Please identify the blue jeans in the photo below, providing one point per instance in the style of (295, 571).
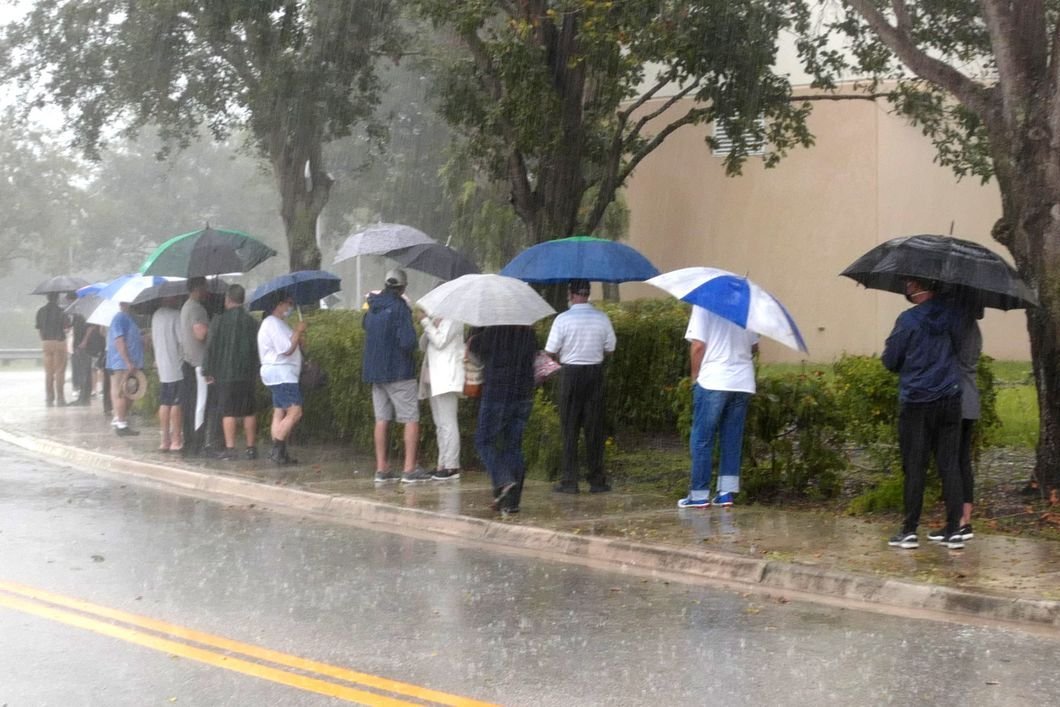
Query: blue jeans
(499, 439)
(716, 415)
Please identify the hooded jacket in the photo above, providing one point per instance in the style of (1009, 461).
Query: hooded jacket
(922, 351)
(389, 339)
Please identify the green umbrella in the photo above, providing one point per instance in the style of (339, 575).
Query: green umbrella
(208, 251)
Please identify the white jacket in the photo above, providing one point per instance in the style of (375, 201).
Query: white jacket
(443, 366)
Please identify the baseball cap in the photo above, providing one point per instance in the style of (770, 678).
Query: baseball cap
(396, 278)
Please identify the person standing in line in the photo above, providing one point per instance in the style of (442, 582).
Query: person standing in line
(52, 325)
(580, 339)
(231, 366)
(389, 366)
(165, 338)
(507, 355)
(194, 393)
(969, 344)
(80, 358)
(921, 349)
(280, 351)
(125, 356)
(442, 383)
(722, 368)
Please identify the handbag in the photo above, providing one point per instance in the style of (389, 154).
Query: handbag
(312, 376)
(472, 375)
(544, 367)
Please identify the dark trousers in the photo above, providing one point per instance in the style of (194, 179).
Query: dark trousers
(925, 430)
(499, 441)
(581, 408)
(209, 435)
(965, 458)
(81, 373)
(108, 407)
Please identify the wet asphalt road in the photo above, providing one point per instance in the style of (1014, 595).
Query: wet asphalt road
(461, 620)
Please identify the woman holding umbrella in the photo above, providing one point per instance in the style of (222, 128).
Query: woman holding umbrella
(280, 350)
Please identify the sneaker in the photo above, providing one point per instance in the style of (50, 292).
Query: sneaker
(251, 453)
(446, 474)
(600, 488)
(227, 454)
(565, 488)
(386, 477)
(966, 532)
(954, 541)
(694, 503)
(904, 540)
(125, 432)
(500, 502)
(415, 476)
(510, 511)
(724, 499)
(937, 536)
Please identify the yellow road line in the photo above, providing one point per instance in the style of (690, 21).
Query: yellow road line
(249, 650)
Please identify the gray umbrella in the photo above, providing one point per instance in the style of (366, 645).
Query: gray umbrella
(381, 239)
(434, 259)
(59, 283)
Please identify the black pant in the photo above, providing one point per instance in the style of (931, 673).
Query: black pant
(926, 429)
(209, 434)
(581, 407)
(81, 374)
(965, 457)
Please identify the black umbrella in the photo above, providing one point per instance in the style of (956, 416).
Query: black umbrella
(434, 259)
(208, 251)
(965, 268)
(59, 283)
(149, 300)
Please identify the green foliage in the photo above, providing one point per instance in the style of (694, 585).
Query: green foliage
(543, 439)
(867, 396)
(885, 496)
(794, 439)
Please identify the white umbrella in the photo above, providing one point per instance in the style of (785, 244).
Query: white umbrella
(381, 239)
(734, 298)
(122, 289)
(486, 300)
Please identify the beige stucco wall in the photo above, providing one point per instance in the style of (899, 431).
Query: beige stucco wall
(793, 228)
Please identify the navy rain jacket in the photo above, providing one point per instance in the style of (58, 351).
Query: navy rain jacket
(922, 351)
(389, 339)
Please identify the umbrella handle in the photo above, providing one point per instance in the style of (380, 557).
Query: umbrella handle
(298, 308)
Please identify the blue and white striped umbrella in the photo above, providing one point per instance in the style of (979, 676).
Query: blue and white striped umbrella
(734, 298)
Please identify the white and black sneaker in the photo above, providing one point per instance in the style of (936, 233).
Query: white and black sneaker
(954, 541)
(904, 540)
(966, 532)
(937, 536)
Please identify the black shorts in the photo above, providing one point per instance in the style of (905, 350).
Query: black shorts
(237, 398)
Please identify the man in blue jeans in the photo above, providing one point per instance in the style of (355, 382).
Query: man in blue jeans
(723, 370)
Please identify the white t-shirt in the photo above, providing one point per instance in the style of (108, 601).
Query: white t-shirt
(727, 362)
(274, 339)
(165, 337)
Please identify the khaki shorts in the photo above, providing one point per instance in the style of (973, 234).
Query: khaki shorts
(397, 401)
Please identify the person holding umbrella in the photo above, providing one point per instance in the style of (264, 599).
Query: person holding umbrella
(580, 339)
(52, 325)
(280, 351)
(389, 346)
(921, 349)
(125, 356)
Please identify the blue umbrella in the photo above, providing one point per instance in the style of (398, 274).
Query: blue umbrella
(305, 286)
(580, 258)
(734, 298)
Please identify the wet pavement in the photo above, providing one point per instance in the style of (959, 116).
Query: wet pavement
(996, 565)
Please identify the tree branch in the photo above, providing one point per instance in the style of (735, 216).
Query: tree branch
(634, 133)
(968, 92)
(688, 118)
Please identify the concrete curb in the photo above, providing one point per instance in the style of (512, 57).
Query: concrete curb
(772, 577)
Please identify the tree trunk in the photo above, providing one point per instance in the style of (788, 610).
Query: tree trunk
(304, 185)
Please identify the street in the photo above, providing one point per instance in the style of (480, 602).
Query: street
(116, 594)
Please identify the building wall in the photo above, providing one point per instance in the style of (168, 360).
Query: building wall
(793, 228)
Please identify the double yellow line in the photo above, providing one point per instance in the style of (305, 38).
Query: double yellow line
(180, 641)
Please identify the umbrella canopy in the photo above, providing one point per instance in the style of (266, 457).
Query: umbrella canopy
(968, 268)
(208, 251)
(128, 287)
(434, 259)
(486, 300)
(381, 239)
(306, 286)
(178, 287)
(734, 298)
(581, 258)
(59, 283)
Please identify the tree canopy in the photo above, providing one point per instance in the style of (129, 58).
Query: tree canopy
(292, 74)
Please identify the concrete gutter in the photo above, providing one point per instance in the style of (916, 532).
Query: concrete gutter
(781, 580)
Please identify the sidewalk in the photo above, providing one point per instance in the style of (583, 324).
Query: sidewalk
(787, 554)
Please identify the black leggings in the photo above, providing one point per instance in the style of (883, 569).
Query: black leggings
(965, 460)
